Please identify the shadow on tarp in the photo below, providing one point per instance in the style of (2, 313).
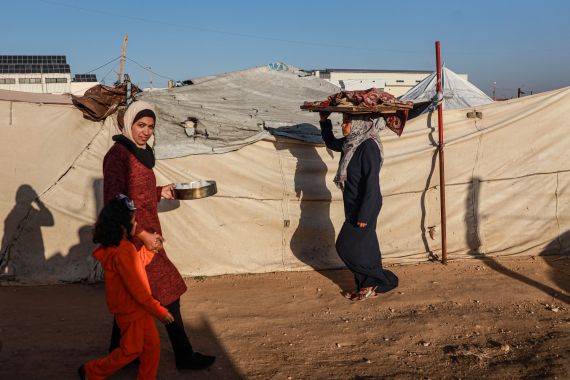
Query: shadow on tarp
(313, 241)
(552, 253)
(25, 221)
(423, 227)
(23, 251)
(560, 273)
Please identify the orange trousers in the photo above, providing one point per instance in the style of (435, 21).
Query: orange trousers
(139, 339)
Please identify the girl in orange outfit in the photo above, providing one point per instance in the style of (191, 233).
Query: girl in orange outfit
(128, 295)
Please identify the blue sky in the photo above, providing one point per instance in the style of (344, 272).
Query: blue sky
(514, 43)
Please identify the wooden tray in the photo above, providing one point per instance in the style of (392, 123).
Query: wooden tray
(383, 108)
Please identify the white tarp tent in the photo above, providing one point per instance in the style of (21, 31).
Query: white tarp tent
(457, 92)
(508, 193)
(234, 109)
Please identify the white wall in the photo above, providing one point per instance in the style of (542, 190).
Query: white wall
(396, 83)
(43, 87)
(79, 88)
(75, 88)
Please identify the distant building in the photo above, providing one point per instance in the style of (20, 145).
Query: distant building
(396, 82)
(42, 74)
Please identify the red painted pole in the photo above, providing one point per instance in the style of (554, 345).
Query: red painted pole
(441, 157)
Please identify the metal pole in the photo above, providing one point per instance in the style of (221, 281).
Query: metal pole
(441, 158)
(129, 94)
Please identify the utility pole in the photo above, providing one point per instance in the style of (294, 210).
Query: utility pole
(123, 54)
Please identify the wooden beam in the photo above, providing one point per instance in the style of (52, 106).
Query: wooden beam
(123, 54)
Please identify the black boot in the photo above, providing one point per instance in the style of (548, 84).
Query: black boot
(195, 361)
(81, 372)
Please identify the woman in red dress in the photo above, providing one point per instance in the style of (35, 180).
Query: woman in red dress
(127, 169)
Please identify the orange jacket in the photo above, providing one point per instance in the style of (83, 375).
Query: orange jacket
(126, 284)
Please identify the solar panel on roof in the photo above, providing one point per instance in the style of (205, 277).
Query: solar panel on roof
(14, 64)
(85, 78)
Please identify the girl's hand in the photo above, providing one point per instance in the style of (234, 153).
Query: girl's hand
(167, 319)
(361, 224)
(167, 191)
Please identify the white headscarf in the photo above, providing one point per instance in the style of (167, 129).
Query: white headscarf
(129, 118)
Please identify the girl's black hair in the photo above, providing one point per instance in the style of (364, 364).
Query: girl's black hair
(114, 220)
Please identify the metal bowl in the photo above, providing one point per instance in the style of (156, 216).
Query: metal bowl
(195, 189)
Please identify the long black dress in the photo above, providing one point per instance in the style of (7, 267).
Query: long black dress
(358, 247)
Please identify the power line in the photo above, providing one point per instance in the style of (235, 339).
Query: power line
(111, 61)
(108, 72)
(148, 69)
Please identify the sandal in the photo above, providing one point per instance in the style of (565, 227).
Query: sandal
(366, 293)
(351, 295)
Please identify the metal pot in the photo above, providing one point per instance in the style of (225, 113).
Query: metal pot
(195, 189)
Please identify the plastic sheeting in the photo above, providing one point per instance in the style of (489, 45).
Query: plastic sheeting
(457, 92)
(100, 101)
(508, 193)
(233, 110)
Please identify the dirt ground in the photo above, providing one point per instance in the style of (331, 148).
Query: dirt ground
(474, 319)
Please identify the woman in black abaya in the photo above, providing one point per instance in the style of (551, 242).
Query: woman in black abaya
(358, 177)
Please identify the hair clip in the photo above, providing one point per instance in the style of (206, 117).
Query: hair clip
(128, 201)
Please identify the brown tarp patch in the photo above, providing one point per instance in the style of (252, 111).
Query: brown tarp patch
(101, 101)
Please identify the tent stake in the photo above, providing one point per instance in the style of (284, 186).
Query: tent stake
(441, 157)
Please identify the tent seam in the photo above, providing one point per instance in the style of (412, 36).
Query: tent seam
(283, 199)
(475, 193)
(558, 238)
(72, 166)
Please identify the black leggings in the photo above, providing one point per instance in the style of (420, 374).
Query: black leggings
(178, 338)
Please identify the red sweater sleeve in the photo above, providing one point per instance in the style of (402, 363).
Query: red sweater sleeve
(132, 272)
